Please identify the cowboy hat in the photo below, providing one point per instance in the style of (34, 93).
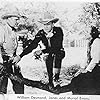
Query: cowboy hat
(47, 18)
(6, 16)
(46, 21)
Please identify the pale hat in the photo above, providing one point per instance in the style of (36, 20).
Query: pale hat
(6, 16)
(47, 18)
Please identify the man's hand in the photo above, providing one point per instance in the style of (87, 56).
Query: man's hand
(11, 58)
(45, 57)
(16, 59)
(37, 53)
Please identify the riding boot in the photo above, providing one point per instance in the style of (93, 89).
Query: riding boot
(56, 76)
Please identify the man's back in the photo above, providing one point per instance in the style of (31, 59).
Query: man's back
(8, 40)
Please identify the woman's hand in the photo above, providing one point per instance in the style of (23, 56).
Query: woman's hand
(79, 71)
(84, 71)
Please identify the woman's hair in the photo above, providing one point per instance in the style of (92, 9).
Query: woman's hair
(94, 32)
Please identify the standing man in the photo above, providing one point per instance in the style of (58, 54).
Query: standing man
(8, 46)
(52, 38)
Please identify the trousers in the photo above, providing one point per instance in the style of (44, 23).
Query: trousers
(54, 61)
(17, 87)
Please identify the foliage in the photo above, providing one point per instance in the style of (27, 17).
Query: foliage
(84, 17)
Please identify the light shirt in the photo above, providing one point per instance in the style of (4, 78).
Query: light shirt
(95, 54)
(48, 36)
(8, 40)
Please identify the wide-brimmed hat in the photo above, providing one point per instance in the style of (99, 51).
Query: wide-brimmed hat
(47, 18)
(6, 16)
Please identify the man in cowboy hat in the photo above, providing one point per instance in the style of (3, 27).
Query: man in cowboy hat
(52, 38)
(8, 46)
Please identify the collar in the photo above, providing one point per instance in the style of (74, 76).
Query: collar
(49, 34)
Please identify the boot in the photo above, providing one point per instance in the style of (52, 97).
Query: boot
(52, 89)
(56, 76)
(50, 86)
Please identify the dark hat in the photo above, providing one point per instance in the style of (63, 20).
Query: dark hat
(6, 16)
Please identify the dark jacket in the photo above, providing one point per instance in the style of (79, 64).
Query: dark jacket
(56, 42)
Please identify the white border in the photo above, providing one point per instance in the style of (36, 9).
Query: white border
(53, 0)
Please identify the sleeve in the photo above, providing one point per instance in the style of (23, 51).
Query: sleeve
(1, 35)
(95, 54)
(32, 46)
(24, 31)
(1, 41)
